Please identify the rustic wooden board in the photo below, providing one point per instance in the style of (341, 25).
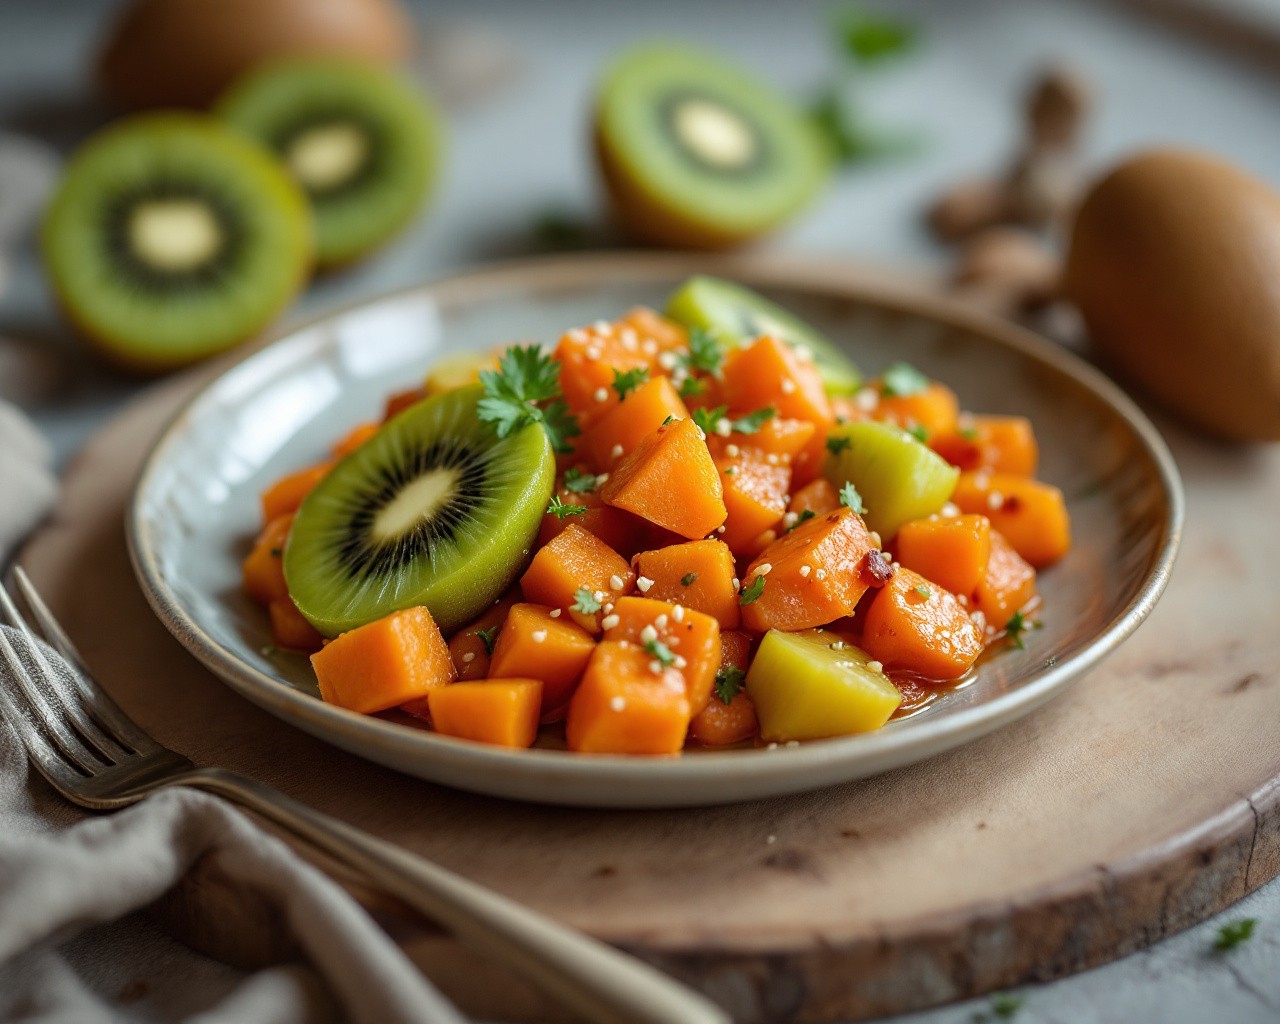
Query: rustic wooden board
(1145, 799)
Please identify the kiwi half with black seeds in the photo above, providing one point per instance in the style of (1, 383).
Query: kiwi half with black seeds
(172, 238)
(435, 509)
(360, 140)
(697, 153)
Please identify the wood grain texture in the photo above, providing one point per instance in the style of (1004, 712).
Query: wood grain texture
(1143, 800)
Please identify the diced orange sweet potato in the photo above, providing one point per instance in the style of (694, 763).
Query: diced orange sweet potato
(468, 649)
(735, 648)
(499, 711)
(818, 497)
(386, 663)
(720, 724)
(806, 465)
(538, 642)
(623, 427)
(290, 630)
(812, 576)
(287, 493)
(777, 436)
(692, 638)
(917, 625)
(670, 480)
(576, 560)
(1003, 444)
(771, 373)
(264, 567)
(1007, 586)
(650, 326)
(697, 574)
(936, 409)
(622, 531)
(589, 357)
(755, 495)
(952, 551)
(400, 401)
(1031, 515)
(623, 707)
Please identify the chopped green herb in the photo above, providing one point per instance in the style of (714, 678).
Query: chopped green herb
(849, 139)
(869, 38)
(488, 637)
(729, 681)
(803, 517)
(705, 353)
(706, 419)
(626, 381)
(918, 432)
(560, 510)
(752, 422)
(526, 389)
(922, 590)
(752, 592)
(688, 579)
(1014, 629)
(1005, 1005)
(1233, 933)
(691, 387)
(731, 471)
(585, 601)
(277, 552)
(850, 498)
(835, 445)
(578, 482)
(901, 380)
(669, 419)
(969, 433)
(660, 651)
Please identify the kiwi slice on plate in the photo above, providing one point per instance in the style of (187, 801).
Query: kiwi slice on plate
(696, 153)
(172, 238)
(734, 314)
(435, 509)
(357, 137)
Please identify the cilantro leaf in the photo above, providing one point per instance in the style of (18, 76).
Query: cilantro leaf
(578, 482)
(900, 380)
(706, 419)
(705, 353)
(585, 601)
(753, 421)
(869, 38)
(803, 517)
(488, 637)
(525, 389)
(850, 498)
(922, 590)
(1005, 1005)
(1014, 628)
(918, 432)
(560, 510)
(729, 681)
(835, 445)
(752, 592)
(560, 425)
(626, 381)
(849, 139)
(1233, 933)
(688, 579)
(660, 651)
(691, 387)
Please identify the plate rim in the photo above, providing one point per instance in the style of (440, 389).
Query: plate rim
(769, 769)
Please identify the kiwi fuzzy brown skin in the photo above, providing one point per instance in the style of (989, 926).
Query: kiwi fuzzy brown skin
(1174, 263)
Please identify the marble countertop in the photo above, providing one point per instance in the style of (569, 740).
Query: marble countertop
(959, 93)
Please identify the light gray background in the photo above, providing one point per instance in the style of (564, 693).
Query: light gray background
(523, 149)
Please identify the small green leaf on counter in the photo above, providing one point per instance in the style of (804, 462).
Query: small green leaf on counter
(1233, 933)
(869, 38)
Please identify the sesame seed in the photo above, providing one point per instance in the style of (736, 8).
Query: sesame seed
(602, 394)
(680, 662)
(995, 500)
(701, 433)
(667, 360)
(771, 839)
(763, 570)
(875, 666)
(608, 607)
(950, 510)
(643, 583)
(771, 458)
(768, 537)
(616, 451)
(821, 574)
(615, 582)
(648, 635)
(790, 519)
(875, 539)
(720, 528)
(602, 327)
(886, 556)
(618, 704)
(601, 478)
(628, 335)
(772, 746)
(804, 353)
(661, 621)
(468, 658)
(538, 636)
(599, 595)
(732, 450)
(788, 387)
(737, 583)
(805, 570)
(677, 613)
(649, 347)
(867, 399)
(555, 613)
(655, 667)
(610, 622)
(595, 352)
(578, 335)
(724, 428)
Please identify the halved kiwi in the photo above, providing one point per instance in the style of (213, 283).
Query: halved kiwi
(696, 153)
(734, 313)
(435, 509)
(172, 238)
(357, 137)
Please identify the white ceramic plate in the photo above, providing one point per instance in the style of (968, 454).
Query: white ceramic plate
(196, 509)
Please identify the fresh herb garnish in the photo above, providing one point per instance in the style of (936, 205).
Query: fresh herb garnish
(753, 421)
(688, 579)
(1233, 933)
(835, 445)
(526, 389)
(706, 419)
(277, 552)
(869, 38)
(560, 510)
(849, 139)
(660, 651)
(669, 419)
(922, 590)
(729, 680)
(705, 353)
(488, 637)
(1016, 626)
(969, 433)
(901, 380)
(752, 592)
(1005, 1005)
(585, 601)
(850, 498)
(803, 517)
(918, 432)
(626, 381)
(578, 482)
(691, 387)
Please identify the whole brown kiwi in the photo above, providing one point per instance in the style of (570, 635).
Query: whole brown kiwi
(186, 52)
(1174, 262)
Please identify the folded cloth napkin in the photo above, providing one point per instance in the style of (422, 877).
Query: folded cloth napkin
(73, 948)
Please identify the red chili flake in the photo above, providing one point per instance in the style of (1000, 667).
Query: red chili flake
(873, 570)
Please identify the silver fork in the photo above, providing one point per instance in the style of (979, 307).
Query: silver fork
(97, 757)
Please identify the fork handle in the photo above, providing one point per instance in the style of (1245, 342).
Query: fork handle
(589, 977)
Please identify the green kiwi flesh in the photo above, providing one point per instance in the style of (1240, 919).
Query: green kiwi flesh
(435, 509)
(358, 138)
(734, 314)
(172, 238)
(710, 153)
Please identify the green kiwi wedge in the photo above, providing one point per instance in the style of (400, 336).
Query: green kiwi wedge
(172, 238)
(735, 314)
(359, 139)
(696, 153)
(435, 509)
